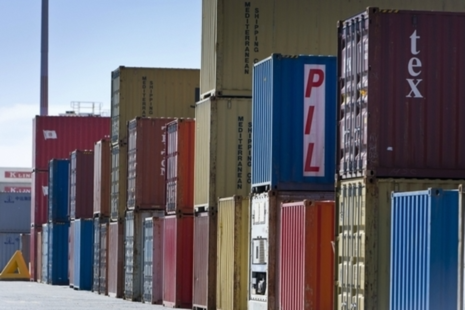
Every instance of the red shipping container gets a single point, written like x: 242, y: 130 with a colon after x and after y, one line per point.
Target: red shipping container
x: 35, y: 243
x: 178, y: 261
x: 58, y: 136
x: 205, y: 259
x: 102, y: 173
x: 306, y: 255
x: 115, y: 260
x: 401, y: 95
x: 71, y: 254
x: 146, y: 163
x: 81, y: 187
x: 180, y: 138
x: 39, y: 198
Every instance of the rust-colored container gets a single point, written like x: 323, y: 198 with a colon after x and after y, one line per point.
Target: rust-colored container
x: 180, y: 142
x: 103, y: 257
x: 115, y: 260
x: 177, y: 261
x: 38, y: 266
x: 146, y: 163
x: 71, y: 254
x: 306, y: 255
x: 205, y: 251
x: 81, y: 186
x: 402, y: 120
x: 33, y: 252
x: 39, y: 198
x: 102, y: 173
x: 58, y: 136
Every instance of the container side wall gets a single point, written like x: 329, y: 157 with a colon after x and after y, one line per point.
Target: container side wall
x: 102, y: 174
x: 15, y: 209
x: 58, y: 259
x: 58, y: 190
x: 82, y: 170
x: 9, y: 244
x: 103, y: 274
x: 39, y: 198
x: 71, y: 244
x: 83, y: 252
x: 158, y: 267
x: 115, y: 260
x: 169, y: 261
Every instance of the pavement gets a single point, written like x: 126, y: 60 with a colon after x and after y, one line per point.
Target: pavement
x: 17, y: 295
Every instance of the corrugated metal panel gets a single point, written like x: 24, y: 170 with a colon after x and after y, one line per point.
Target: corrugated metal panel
x: 285, y: 88
x: 96, y: 260
x: 178, y: 261
x: 232, y: 271
x: 24, y: 246
x: 58, y: 258
x: 424, y: 249
x: 36, y: 267
x: 180, y: 146
x: 102, y: 173
x: 15, y: 210
x: 119, y: 180
x: 71, y: 241
x: 223, y: 149
x: 58, y: 136
x: 461, y: 283
x: 83, y: 254
x: 306, y: 255
x: 115, y: 260
x: 45, y: 268
x: 58, y: 190
x: 401, y: 131
x: 237, y: 34
x: 150, y: 92
x: 39, y: 198
x: 264, y: 244
x: 146, y: 171
x: 81, y: 172
x: 148, y: 261
x: 9, y: 244
x: 133, y: 250
x: 205, y: 260
x: 103, y: 274
x: 363, y: 242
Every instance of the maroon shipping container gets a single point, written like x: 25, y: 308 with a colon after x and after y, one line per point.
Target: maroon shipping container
x: 146, y: 163
x: 39, y: 198
x: 401, y: 96
x: 81, y: 187
x: 306, y: 255
x: 205, y: 260
x: 71, y: 254
x: 34, y: 266
x: 58, y: 136
x: 102, y: 173
x: 178, y: 261
x: 180, y: 137
x: 115, y: 260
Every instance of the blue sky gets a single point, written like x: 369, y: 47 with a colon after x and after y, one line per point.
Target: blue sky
x: 87, y: 40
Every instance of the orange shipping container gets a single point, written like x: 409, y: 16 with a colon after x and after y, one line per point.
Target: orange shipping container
x: 306, y: 255
x: 102, y: 172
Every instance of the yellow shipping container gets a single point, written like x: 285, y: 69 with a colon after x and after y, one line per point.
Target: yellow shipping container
x: 150, y: 92
x: 237, y: 34
x: 232, y: 263
x: 223, y: 148
x: 364, y: 238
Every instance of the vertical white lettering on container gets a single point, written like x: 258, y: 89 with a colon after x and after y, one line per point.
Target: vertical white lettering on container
x: 240, y: 159
x: 144, y: 102
x: 163, y: 151
x: 247, y: 38
x: 414, y: 68
x: 314, y: 121
x: 249, y: 154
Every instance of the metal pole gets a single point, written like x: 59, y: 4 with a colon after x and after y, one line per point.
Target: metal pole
x: 44, y: 60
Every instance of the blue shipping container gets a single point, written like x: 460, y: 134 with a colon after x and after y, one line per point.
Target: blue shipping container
x: 424, y: 249
x: 294, y: 123
x: 83, y: 254
x: 58, y: 182
x: 58, y: 253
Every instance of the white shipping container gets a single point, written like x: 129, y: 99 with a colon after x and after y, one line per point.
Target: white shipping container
x: 9, y: 244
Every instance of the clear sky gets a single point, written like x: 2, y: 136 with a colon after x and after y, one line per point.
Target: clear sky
x: 87, y: 40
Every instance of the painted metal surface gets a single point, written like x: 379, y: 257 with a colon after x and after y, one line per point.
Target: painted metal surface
x: 15, y: 187
x: 178, y: 261
x: 264, y: 243
x: 235, y: 34
x: 424, y: 249
x: 306, y: 255
x: 9, y: 244
x: 80, y: 185
x: 36, y: 265
x: 180, y: 147
x: 83, y: 254
x: 148, y: 261
x: 103, y: 257
x: 146, y: 168
x: 96, y: 253
x: 115, y: 260
x: 223, y: 149
x: 119, y: 181
x: 461, y: 258
x: 58, y: 136
x: 294, y: 108
x: 58, y: 190
x: 102, y: 173
x: 205, y: 258
x: 232, y: 255
x: 150, y: 92
x: 58, y: 254
x: 39, y: 198
x: 15, y: 175
x: 45, y: 268
x: 133, y: 253
x: 15, y: 210
x: 71, y: 241
x: 25, y: 247
x: 364, y: 236
x: 153, y: 260
x: 383, y: 121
